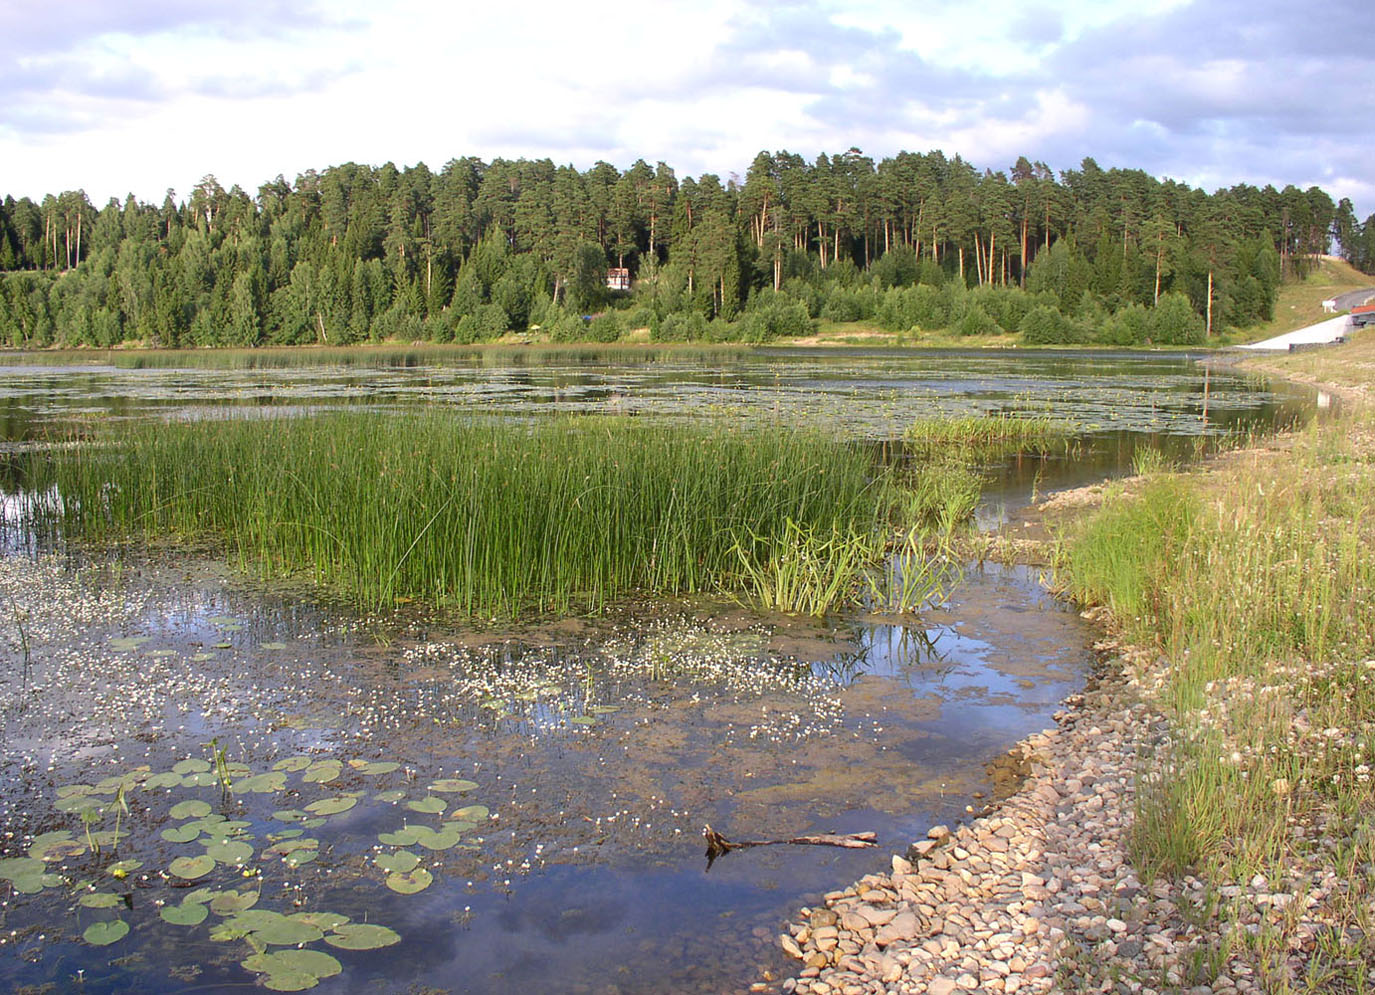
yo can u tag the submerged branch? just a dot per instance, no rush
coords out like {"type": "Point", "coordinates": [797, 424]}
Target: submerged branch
{"type": "Point", "coordinates": [718, 844]}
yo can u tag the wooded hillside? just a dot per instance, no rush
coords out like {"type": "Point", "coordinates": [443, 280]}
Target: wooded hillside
{"type": "Point", "coordinates": [357, 253]}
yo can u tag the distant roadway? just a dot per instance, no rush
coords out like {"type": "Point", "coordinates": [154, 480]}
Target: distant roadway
{"type": "Point", "coordinates": [1324, 331]}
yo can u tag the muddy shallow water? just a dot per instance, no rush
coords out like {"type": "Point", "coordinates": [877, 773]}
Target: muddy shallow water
{"type": "Point", "coordinates": [599, 750]}
{"type": "Point", "coordinates": [520, 809]}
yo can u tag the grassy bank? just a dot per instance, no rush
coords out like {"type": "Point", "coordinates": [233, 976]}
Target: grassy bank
{"type": "Point", "coordinates": [1255, 581]}
{"type": "Point", "coordinates": [499, 518]}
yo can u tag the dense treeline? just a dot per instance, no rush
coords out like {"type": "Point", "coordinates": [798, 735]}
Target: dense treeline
{"type": "Point", "coordinates": [358, 253]}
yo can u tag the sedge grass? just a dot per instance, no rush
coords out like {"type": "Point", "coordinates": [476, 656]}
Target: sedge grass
{"type": "Point", "coordinates": [985, 437]}
{"type": "Point", "coordinates": [493, 518]}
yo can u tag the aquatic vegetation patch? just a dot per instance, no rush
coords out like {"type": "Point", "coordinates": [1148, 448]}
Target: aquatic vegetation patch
{"type": "Point", "coordinates": [220, 856]}
{"type": "Point", "coordinates": [490, 517]}
{"type": "Point", "coordinates": [983, 437]}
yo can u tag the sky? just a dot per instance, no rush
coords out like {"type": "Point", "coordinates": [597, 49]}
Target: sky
{"type": "Point", "coordinates": [141, 96]}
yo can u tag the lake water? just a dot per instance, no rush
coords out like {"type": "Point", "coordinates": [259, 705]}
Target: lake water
{"type": "Point", "coordinates": [560, 773]}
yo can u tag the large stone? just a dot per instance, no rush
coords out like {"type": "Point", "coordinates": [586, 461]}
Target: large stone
{"type": "Point", "coordinates": [903, 927]}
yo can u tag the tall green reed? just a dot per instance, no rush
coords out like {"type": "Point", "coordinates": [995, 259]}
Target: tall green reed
{"type": "Point", "coordinates": [491, 517]}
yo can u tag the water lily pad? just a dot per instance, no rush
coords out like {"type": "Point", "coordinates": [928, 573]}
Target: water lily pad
{"type": "Point", "coordinates": [185, 914]}
{"type": "Point", "coordinates": [262, 784]}
{"type": "Point", "coordinates": [290, 815]}
{"type": "Point", "coordinates": [181, 834]}
{"type": "Point", "coordinates": [315, 962]}
{"type": "Point", "coordinates": [254, 919]}
{"type": "Point", "coordinates": [77, 804]}
{"type": "Point", "coordinates": [288, 846]}
{"type": "Point", "coordinates": [430, 805]}
{"type": "Point", "coordinates": [323, 771]}
{"type": "Point", "coordinates": [391, 797]}
{"type": "Point", "coordinates": [331, 806]}
{"type": "Point", "coordinates": [374, 766]}
{"type": "Point", "coordinates": [288, 933]}
{"type": "Point", "coordinates": [100, 900]}
{"type": "Point", "coordinates": [32, 884]}
{"type": "Point", "coordinates": [314, 823]}
{"type": "Point", "coordinates": [461, 826]}
{"type": "Point", "coordinates": [191, 868]}
{"type": "Point", "coordinates": [405, 836]}
{"type": "Point", "coordinates": [200, 779]}
{"type": "Point", "coordinates": [214, 824]}
{"type": "Point", "coordinates": [290, 981]}
{"type": "Point", "coordinates": [472, 813]}
{"type": "Point", "coordinates": [298, 857]}
{"type": "Point", "coordinates": [201, 657]}
{"type": "Point", "coordinates": [126, 643]}
{"type": "Point", "coordinates": [582, 720]}
{"type": "Point", "coordinates": [604, 709]}
{"type": "Point", "coordinates": [398, 862]}
{"type": "Point", "coordinates": [285, 834]}
{"type": "Point", "coordinates": [292, 764]}
{"type": "Point", "coordinates": [17, 867]}
{"type": "Point", "coordinates": [224, 933]}
{"type": "Point", "coordinates": [321, 920]}
{"type": "Point", "coordinates": [123, 868]}
{"type": "Point", "coordinates": [57, 849]}
{"type": "Point", "coordinates": [441, 840]}
{"type": "Point", "coordinates": [453, 784]}
{"type": "Point", "coordinates": [410, 882]}
{"type": "Point", "coordinates": [191, 809]}
{"type": "Point", "coordinates": [362, 936]}
{"type": "Point", "coordinates": [272, 646]}
{"type": "Point", "coordinates": [165, 779]}
{"type": "Point", "coordinates": [67, 790]}
{"type": "Point", "coordinates": [191, 765]}
{"type": "Point", "coordinates": [102, 934]}
{"type": "Point", "coordinates": [230, 903]}
{"type": "Point", "coordinates": [235, 853]}
{"type": "Point", "coordinates": [292, 970]}
{"type": "Point", "coordinates": [222, 645]}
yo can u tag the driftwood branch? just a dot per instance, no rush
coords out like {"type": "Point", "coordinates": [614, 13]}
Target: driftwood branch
{"type": "Point", "coordinates": [718, 844]}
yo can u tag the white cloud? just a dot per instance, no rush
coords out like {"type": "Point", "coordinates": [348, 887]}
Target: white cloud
{"type": "Point", "coordinates": [154, 93]}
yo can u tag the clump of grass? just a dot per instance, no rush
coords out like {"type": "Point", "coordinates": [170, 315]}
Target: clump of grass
{"type": "Point", "coordinates": [1256, 581]}
{"type": "Point", "coordinates": [934, 494]}
{"type": "Point", "coordinates": [986, 437]}
{"type": "Point", "coordinates": [490, 517]}
{"type": "Point", "coordinates": [805, 571]}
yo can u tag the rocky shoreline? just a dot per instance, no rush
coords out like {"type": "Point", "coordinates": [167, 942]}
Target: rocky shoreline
{"type": "Point", "coordinates": [1038, 895]}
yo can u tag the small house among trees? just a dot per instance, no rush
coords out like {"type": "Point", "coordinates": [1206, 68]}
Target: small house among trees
{"type": "Point", "coordinates": [618, 278]}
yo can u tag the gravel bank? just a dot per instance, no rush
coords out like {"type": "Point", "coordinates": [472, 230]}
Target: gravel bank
{"type": "Point", "coordinates": [1038, 895]}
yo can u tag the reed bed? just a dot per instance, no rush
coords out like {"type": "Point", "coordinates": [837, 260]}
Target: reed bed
{"type": "Point", "coordinates": [988, 436]}
{"type": "Point", "coordinates": [494, 518]}
{"type": "Point", "coordinates": [1256, 581]}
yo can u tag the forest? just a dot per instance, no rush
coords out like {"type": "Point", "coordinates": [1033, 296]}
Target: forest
{"type": "Point", "coordinates": [478, 250]}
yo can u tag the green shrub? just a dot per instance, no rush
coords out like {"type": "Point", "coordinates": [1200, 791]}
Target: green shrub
{"type": "Point", "coordinates": [977, 321]}
{"type": "Point", "coordinates": [1045, 325]}
{"type": "Point", "coordinates": [1175, 322]}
